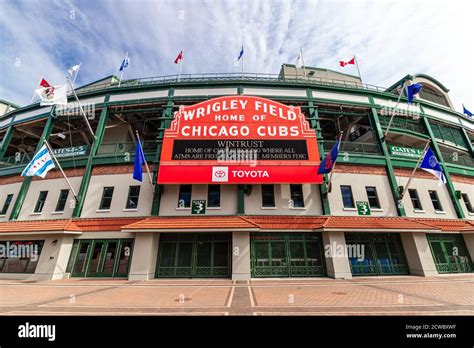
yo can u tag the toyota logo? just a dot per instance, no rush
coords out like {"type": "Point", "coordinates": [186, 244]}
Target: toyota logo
{"type": "Point", "coordinates": [219, 174]}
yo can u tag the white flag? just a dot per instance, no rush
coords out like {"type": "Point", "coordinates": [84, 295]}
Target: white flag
{"type": "Point", "coordinates": [74, 69]}
{"type": "Point", "coordinates": [40, 164]}
{"type": "Point", "coordinates": [53, 95]}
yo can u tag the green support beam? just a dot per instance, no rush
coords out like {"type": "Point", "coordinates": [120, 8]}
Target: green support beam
{"type": "Point", "coordinates": [449, 183]}
{"type": "Point", "coordinates": [314, 123]}
{"type": "Point", "coordinates": [6, 141]}
{"type": "Point", "coordinates": [20, 199]}
{"type": "Point", "coordinates": [379, 135]}
{"type": "Point", "coordinates": [467, 140]}
{"type": "Point", "coordinates": [240, 200]}
{"type": "Point", "coordinates": [164, 123]}
{"type": "Point", "coordinates": [86, 178]}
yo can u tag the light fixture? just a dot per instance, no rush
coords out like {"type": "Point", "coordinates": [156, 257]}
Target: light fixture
{"type": "Point", "coordinates": [61, 135]}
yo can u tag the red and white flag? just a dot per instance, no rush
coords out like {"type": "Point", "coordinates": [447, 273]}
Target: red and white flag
{"type": "Point", "coordinates": [52, 95]}
{"type": "Point", "coordinates": [44, 83]}
{"type": "Point", "coordinates": [179, 57]}
{"type": "Point", "coordinates": [343, 63]}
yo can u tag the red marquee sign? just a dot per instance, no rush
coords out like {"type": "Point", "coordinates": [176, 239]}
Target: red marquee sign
{"type": "Point", "coordinates": [239, 139]}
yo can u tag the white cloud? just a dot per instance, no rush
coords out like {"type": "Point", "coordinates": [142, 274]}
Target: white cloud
{"type": "Point", "coordinates": [391, 39]}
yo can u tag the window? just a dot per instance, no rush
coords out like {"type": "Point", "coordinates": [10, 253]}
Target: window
{"type": "Point", "coordinates": [268, 196]}
{"type": "Point", "coordinates": [347, 199]}
{"type": "Point", "coordinates": [40, 202]}
{"type": "Point", "coordinates": [415, 200]}
{"type": "Point", "coordinates": [372, 197]}
{"type": "Point", "coordinates": [62, 200]}
{"type": "Point", "coordinates": [132, 199]}
{"type": "Point", "coordinates": [467, 202]}
{"type": "Point", "coordinates": [214, 196]}
{"type": "Point", "coordinates": [435, 200]}
{"type": "Point", "coordinates": [7, 203]}
{"type": "Point", "coordinates": [106, 200]}
{"type": "Point", "coordinates": [184, 199]}
{"type": "Point", "coordinates": [20, 256]}
{"type": "Point", "coordinates": [296, 193]}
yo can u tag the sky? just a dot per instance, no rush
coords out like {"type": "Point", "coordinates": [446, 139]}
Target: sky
{"type": "Point", "coordinates": [390, 39]}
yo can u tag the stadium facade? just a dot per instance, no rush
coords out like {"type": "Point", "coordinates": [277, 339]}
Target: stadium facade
{"type": "Point", "coordinates": [205, 217]}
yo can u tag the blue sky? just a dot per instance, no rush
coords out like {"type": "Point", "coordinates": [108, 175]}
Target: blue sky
{"type": "Point", "coordinates": [390, 38]}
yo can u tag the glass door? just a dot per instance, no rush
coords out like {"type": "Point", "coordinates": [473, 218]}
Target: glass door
{"type": "Point", "coordinates": [80, 263]}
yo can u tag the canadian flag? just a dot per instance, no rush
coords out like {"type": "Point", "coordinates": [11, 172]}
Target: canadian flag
{"type": "Point", "coordinates": [179, 57]}
{"type": "Point", "coordinates": [343, 63]}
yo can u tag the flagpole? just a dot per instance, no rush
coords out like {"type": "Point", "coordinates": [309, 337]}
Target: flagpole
{"type": "Point", "coordinates": [144, 158]}
{"type": "Point", "coordinates": [82, 110]}
{"type": "Point", "coordinates": [243, 64]}
{"type": "Point", "coordinates": [50, 150]}
{"type": "Point", "coordinates": [414, 170]}
{"type": "Point", "coordinates": [394, 109]}
{"type": "Point", "coordinates": [77, 72]}
{"type": "Point", "coordinates": [334, 165]}
{"type": "Point", "coordinates": [123, 68]}
{"type": "Point", "coordinates": [357, 65]}
{"type": "Point", "coordinates": [302, 61]}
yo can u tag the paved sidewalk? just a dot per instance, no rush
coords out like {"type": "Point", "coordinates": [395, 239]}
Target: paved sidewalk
{"type": "Point", "coordinates": [402, 295]}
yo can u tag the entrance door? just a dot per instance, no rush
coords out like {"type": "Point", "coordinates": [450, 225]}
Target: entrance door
{"type": "Point", "coordinates": [100, 258]}
{"type": "Point", "coordinates": [197, 255]}
{"type": "Point", "coordinates": [450, 253]}
{"type": "Point", "coordinates": [376, 254]}
{"type": "Point", "coordinates": [286, 255]}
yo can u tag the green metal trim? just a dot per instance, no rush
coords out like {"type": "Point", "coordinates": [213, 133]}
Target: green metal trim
{"type": "Point", "coordinates": [314, 123]}
{"type": "Point", "coordinates": [240, 200]}
{"type": "Point", "coordinates": [379, 135]}
{"type": "Point", "coordinates": [158, 191]}
{"type": "Point", "coordinates": [470, 147]}
{"type": "Point", "coordinates": [20, 199]}
{"type": "Point", "coordinates": [6, 141]}
{"type": "Point", "coordinates": [449, 183]}
{"type": "Point", "coordinates": [99, 135]}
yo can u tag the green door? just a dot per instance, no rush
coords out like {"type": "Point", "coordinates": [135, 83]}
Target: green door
{"type": "Point", "coordinates": [196, 255]}
{"type": "Point", "coordinates": [450, 253]}
{"type": "Point", "coordinates": [287, 255]}
{"type": "Point", "coordinates": [104, 258]}
{"type": "Point", "coordinates": [376, 254]}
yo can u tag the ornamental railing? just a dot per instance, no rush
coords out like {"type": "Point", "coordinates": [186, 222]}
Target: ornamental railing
{"type": "Point", "coordinates": [353, 147]}
{"type": "Point", "coordinates": [459, 158]}
{"type": "Point", "coordinates": [220, 77]}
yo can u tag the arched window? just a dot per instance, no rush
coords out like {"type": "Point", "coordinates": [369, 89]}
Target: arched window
{"type": "Point", "coordinates": [433, 95]}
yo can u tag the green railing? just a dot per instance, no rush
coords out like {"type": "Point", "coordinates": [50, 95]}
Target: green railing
{"type": "Point", "coordinates": [353, 147]}
{"type": "Point", "coordinates": [459, 158]}
{"type": "Point", "coordinates": [124, 148]}
{"type": "Point", "coordinates": [20, 159]}
{"type": "Point", "coordinates": [219, 77]}
{"type": "Point", "coordinates": [401, 123]}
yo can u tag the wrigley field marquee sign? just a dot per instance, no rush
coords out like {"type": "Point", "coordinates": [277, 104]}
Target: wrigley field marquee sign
{"type": "Point", "coordinates": [239, 139]}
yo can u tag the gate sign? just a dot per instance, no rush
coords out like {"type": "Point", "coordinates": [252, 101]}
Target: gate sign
{"type": "Point", "coordinates": [198, 207]}
{"type": "Point", "coordinates": [239, 139]}
{"type": "Point", "coordinates": [363, 208]}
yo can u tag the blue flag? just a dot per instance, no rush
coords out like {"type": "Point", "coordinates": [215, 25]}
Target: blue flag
{"type": "Point", "coordinates": [241, 53]}
{"type": "Point", "coordinates": [430, 164]}
{"type": "Point", "coordinates": [466, 111]}
{"type": "Point", "coordinates": [328, 162]}
{"type": "Point", "coordinates": [125, 63]}
{"type": "Point", "coordinates": [412, 90]}
{"type": "Point", "coordinates": [138, 162]}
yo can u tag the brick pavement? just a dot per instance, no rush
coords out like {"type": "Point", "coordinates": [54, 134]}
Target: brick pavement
{"type": "Point", "coordinates": [405, 295]}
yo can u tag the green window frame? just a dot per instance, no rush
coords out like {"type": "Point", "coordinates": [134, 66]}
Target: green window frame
{"type": "Point", "coordinates": [62, 200]}
{"type": "Point", "coordinates": [184, 196]}
{"type": "Point", "coordinates": [372, 197]}
{"type": "Point", "coordinates": [347, 197]}
{"type": "Point", "coordinates": [415, 199]}
{"type": "Point", "coordinates": [133, 197]}
{"type": "Point", "coordinates": [106, 200]}
{"type": "Point", "coordinates": [467, 202]}
{"type": "Point", "coordinates": [213, 196]}
{"type": "Point", "coordinates": [296, 194]}
{"type": "Point", "coordinates": [268, 196]}
{"type": "Point", "coordinates": [7, 203]}
{"type": "Point", "coordinates": [435, 200]}
{"type": "Point", "coordinates": [40, 201]}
